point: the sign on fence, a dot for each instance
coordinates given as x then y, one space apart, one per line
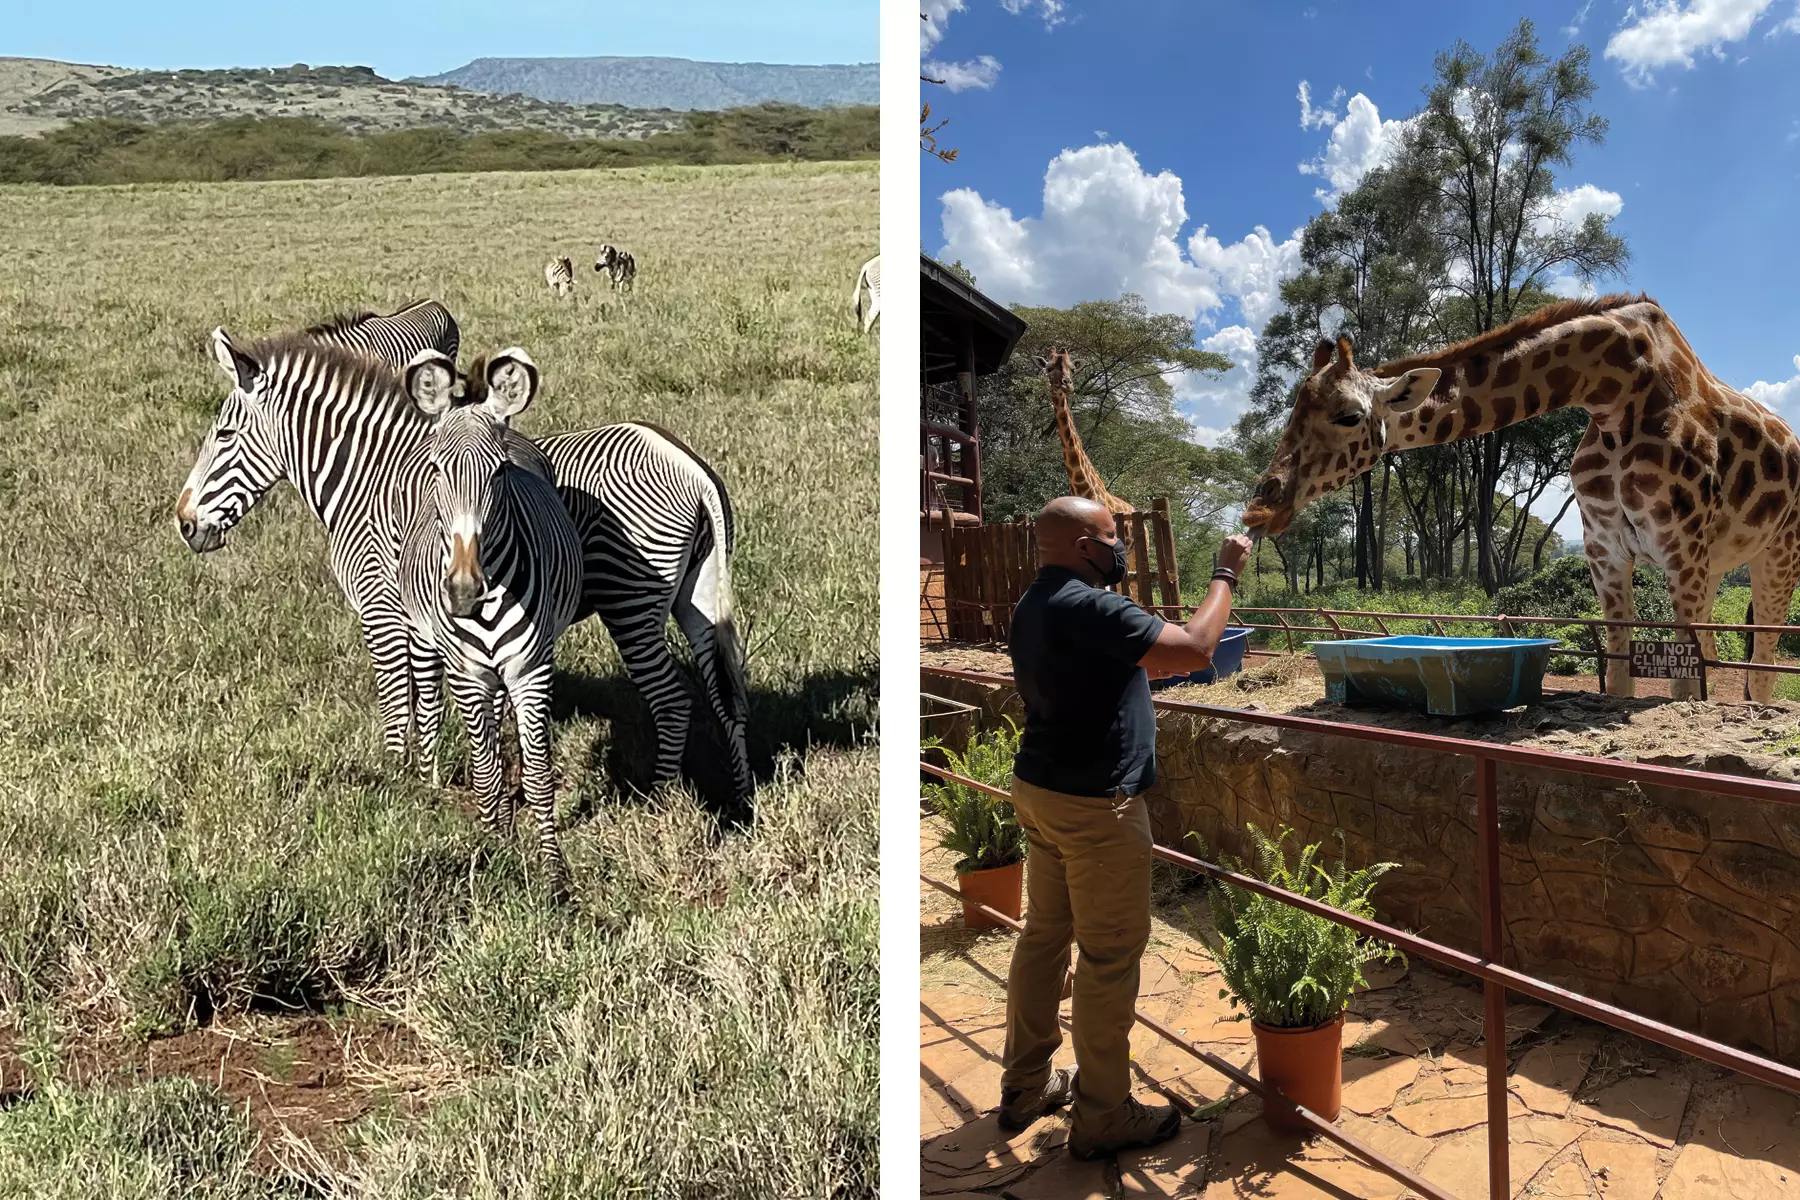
1665 660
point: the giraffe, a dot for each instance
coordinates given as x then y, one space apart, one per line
1084 481
1676 468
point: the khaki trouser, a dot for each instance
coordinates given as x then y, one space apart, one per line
1087 878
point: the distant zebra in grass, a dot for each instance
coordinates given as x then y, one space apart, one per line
488 568
396 337
618 266
559 273
869 279
656 524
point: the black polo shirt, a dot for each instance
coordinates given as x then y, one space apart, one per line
1089 727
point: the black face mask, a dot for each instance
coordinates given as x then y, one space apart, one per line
1114 572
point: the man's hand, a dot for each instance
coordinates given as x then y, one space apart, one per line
1234 552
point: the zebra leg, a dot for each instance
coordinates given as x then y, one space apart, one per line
428 706
384 633
531 706
645 649
475 704
727 702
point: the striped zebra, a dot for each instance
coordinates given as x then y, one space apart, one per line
656 526
396 337
868 278
618 266
559 273
488 567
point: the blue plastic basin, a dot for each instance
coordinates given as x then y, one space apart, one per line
1444 676
1228 659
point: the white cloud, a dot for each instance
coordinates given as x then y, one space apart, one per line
1252 270
1320 117
1669 33
1571 206
1052 10
936 14
1572 287
1215 404
1360 142
1573 28
1783 397
963 76
1791 25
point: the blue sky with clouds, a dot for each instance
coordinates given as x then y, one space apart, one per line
1176 148
398 40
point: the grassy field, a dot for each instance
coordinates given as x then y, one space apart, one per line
202 841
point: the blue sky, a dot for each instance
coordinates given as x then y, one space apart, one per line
398 40
1162 147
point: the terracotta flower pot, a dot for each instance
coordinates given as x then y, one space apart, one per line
1001 888
1307 1065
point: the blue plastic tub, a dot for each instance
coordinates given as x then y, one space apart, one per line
1445 676
1228 659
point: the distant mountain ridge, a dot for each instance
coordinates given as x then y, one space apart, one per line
667 83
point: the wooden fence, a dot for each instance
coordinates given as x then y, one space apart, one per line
988 567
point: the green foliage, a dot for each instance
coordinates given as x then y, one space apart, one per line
1287 968
106 150
983 829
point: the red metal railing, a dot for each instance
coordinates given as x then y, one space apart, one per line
1497 979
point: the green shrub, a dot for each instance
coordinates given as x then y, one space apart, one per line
983 829
1287 968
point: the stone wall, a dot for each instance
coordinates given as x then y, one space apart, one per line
1683 906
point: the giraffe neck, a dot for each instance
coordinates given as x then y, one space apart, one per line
1083 479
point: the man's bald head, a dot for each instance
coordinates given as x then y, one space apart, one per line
1062 525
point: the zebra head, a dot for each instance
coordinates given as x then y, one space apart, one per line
466 456
237 463
603 260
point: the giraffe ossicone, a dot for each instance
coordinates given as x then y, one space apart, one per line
1676 469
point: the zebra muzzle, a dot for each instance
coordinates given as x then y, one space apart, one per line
464 584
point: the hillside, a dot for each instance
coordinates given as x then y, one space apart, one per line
39 95
674 83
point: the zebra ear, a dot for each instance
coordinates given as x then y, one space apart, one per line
239 367
431 381
512 381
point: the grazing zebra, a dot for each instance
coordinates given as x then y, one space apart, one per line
618 266
559 273
870 278
396 337
488 568
656 526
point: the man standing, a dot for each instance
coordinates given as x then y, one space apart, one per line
1082 657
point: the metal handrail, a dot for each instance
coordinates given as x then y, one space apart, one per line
1497 979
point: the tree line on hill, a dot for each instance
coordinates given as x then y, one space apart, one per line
105 150
1460 232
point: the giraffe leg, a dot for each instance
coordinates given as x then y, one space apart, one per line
1611 569
531 708
1773 576
1691 592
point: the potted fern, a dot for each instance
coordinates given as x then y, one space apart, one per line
982 829
1294 972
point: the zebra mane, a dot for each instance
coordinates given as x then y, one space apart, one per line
355 373
341 322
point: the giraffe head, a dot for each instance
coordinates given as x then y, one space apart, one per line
467 455
1338 429
1060 367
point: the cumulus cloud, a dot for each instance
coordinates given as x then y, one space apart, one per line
1783 397
1311 117
937 15
1571 206
1215 404
1665 33
1252 270
963 76
1050 10
1360 142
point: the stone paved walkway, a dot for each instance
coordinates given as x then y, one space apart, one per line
1595 1113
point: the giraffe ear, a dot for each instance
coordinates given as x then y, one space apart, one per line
1321 355
431 381
1409 390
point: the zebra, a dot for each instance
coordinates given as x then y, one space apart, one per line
618 266
656 523
559 273
396 337
488 567
868 277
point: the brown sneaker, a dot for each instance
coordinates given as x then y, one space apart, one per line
1019 1109
1137 1125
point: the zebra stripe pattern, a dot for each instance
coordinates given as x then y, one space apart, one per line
656 525
867 279
488 566
396 337
618 266
559 273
